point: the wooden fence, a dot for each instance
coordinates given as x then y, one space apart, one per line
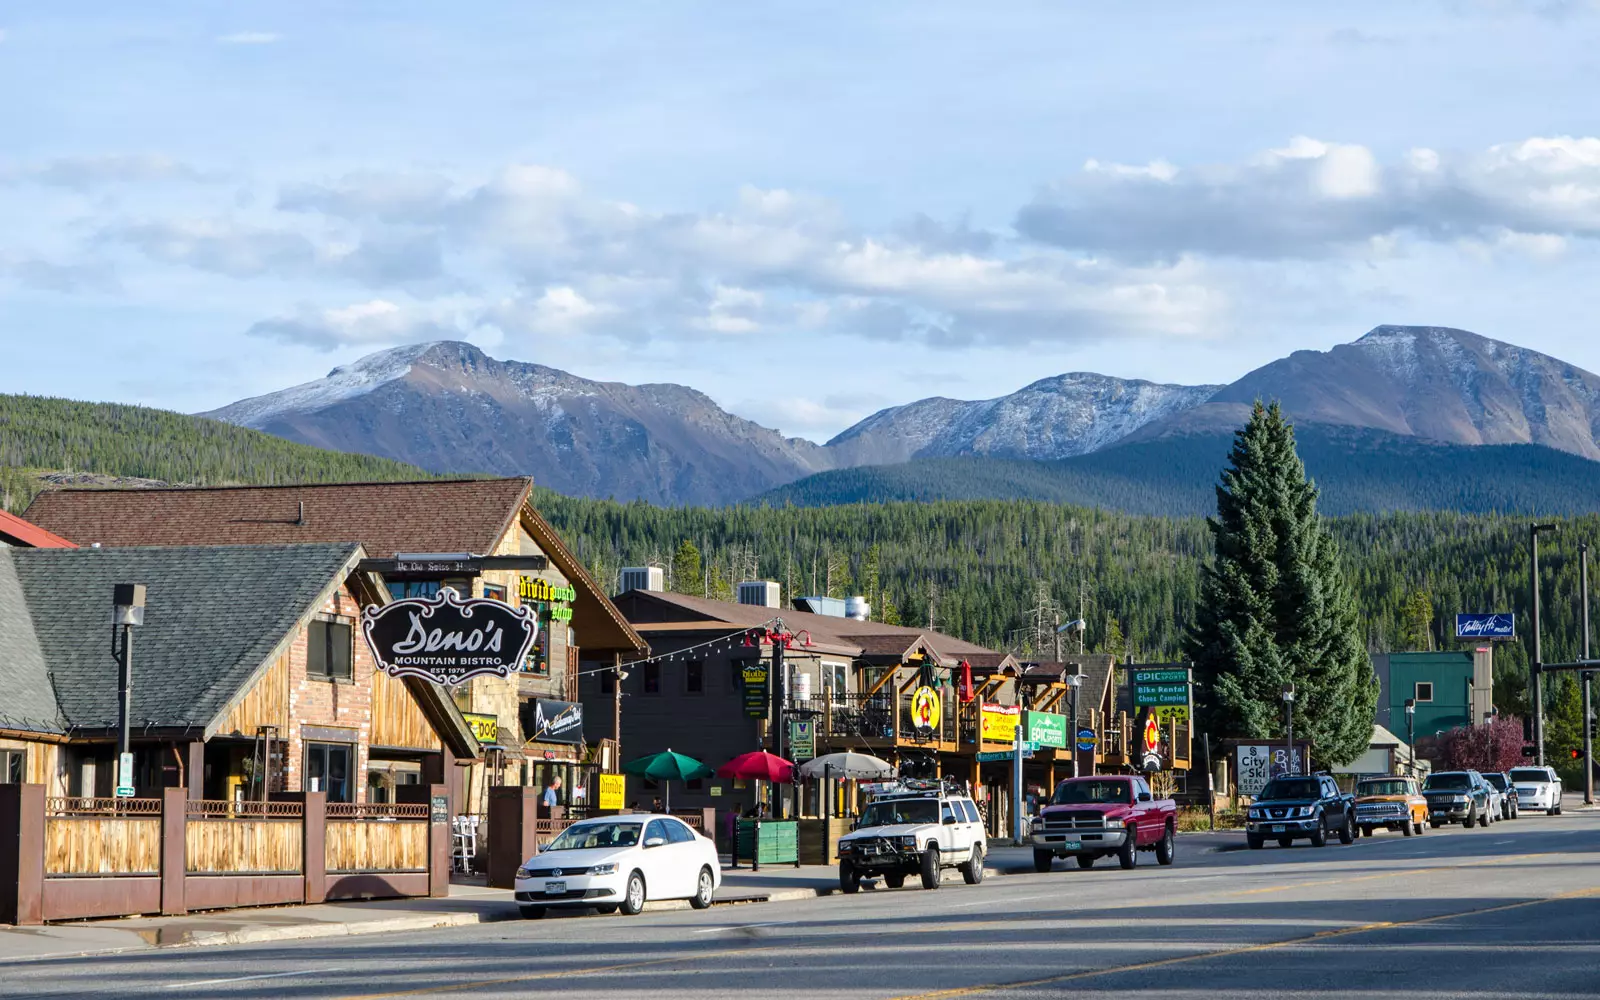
77 858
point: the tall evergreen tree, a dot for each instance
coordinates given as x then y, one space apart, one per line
1275 608
1417 624
688 575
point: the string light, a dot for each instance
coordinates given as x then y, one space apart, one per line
725 642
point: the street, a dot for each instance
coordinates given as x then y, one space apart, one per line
1508 911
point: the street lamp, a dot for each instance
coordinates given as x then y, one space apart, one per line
1536 667
1288 725
1077 625
1074 681
1411 736
127 603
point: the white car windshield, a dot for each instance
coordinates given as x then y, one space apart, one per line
897 812
590 836
1527 774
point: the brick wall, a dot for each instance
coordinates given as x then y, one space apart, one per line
319 702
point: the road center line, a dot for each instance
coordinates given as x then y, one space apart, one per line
246 979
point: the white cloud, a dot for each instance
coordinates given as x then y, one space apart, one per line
378 322
84 172
250 38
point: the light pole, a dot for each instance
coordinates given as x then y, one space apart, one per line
1588 681
1536 667
1074 681
1077 625
127 601
1288 725
1411 736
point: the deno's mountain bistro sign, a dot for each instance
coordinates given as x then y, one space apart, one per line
448 639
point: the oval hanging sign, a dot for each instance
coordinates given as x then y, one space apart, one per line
925 709
448 639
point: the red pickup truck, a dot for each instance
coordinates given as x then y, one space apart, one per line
1102 815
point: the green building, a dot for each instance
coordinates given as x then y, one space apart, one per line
1451 688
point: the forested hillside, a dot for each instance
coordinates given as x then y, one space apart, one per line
1356 470
40 435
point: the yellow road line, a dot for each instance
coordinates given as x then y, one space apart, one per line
965 991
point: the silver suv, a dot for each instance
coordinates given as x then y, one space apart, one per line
916 831
1537 788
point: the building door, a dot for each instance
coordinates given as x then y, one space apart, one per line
328 767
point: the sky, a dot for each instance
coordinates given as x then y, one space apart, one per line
807 211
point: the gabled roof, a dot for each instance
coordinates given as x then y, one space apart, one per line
29 701
1095 667
15 531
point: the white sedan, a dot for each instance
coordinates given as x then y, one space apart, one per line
618 863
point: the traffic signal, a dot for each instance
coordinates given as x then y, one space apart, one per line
1576 753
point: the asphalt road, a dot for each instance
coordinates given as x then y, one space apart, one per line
1512 911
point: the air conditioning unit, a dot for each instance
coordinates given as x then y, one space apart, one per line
642 578
761 593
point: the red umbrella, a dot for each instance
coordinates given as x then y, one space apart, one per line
757 766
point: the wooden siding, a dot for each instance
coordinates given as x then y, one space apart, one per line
397 721
102 845
236 846
265 704
376 845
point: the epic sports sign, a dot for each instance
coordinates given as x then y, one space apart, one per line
448 639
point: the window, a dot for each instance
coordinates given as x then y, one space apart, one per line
652 678
971 811
657 830
494 591
328 770
328 649
11 764
413 588
1424 691
679 833
694 677
538 661
947 812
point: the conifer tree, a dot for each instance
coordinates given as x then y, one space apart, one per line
1275 608
688 576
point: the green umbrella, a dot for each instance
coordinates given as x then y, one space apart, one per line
669 766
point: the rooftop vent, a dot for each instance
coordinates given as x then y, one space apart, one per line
857 608
761 593
652 578
833 607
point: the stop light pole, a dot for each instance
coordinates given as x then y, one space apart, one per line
1588 681
1536 667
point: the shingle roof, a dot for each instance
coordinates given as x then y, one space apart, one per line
29 701
214 615
1095 667
386 518
15 531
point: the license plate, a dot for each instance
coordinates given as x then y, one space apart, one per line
551 888
1072 845
1278 828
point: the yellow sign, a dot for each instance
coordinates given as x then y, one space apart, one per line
998 723
485 728
926 708
1152 735
1172 713
613 787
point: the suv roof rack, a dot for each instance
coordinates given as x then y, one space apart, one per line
947 785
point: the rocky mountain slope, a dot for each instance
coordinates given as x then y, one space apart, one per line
449 407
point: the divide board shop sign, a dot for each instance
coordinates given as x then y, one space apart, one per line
448 639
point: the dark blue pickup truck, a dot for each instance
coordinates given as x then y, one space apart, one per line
1295 806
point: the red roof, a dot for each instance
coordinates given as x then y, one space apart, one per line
15 531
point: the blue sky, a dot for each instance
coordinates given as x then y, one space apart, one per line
809 212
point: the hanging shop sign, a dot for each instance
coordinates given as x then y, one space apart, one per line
1171 713
546 721
559 598
485 728
1087 740
999 723
1495 626
1160 686
612 789
448 639
926 710
753 677
1047 729
802 740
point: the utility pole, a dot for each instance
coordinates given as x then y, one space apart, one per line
1536 667
1288 725
775 691
127 612
617 677
1588 682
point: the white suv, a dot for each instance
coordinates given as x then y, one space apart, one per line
919 831
1537 788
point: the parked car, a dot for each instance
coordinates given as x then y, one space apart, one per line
920 831
1095 817
1509 805
1392 803
1538 788
619 863
1458 796
1293 806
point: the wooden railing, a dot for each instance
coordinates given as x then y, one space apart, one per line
240 838
210 809
80 806
852 715
376 810
376 837
95 842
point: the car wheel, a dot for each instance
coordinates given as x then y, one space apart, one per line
1087 860
1472 818
607 909
703 890
849 878
1167 847
1347 831
1042 860
1366 831
1406 829
1255 841
894 880
633 896
1485 818
1285 841
1319 834
972 868
930 868
1558 809
1433 823
531 912
1551 811
1128 853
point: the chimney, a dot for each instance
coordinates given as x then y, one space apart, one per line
300 519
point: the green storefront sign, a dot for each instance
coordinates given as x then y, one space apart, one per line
754 677
1047 729
802 740
1168 676
1160 694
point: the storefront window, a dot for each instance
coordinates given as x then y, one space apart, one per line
494 592
328 650
11 762
328 770
538 661
413 588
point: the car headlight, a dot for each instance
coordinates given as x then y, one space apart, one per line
1458 798
844 847
609 868
1306 810
523 873
909 841
1255 813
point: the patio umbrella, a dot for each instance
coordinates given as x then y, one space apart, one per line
757 765
857 766
668 766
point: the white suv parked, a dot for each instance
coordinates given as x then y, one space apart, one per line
920 831
1537 788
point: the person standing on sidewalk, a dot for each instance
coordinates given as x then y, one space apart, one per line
552 795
